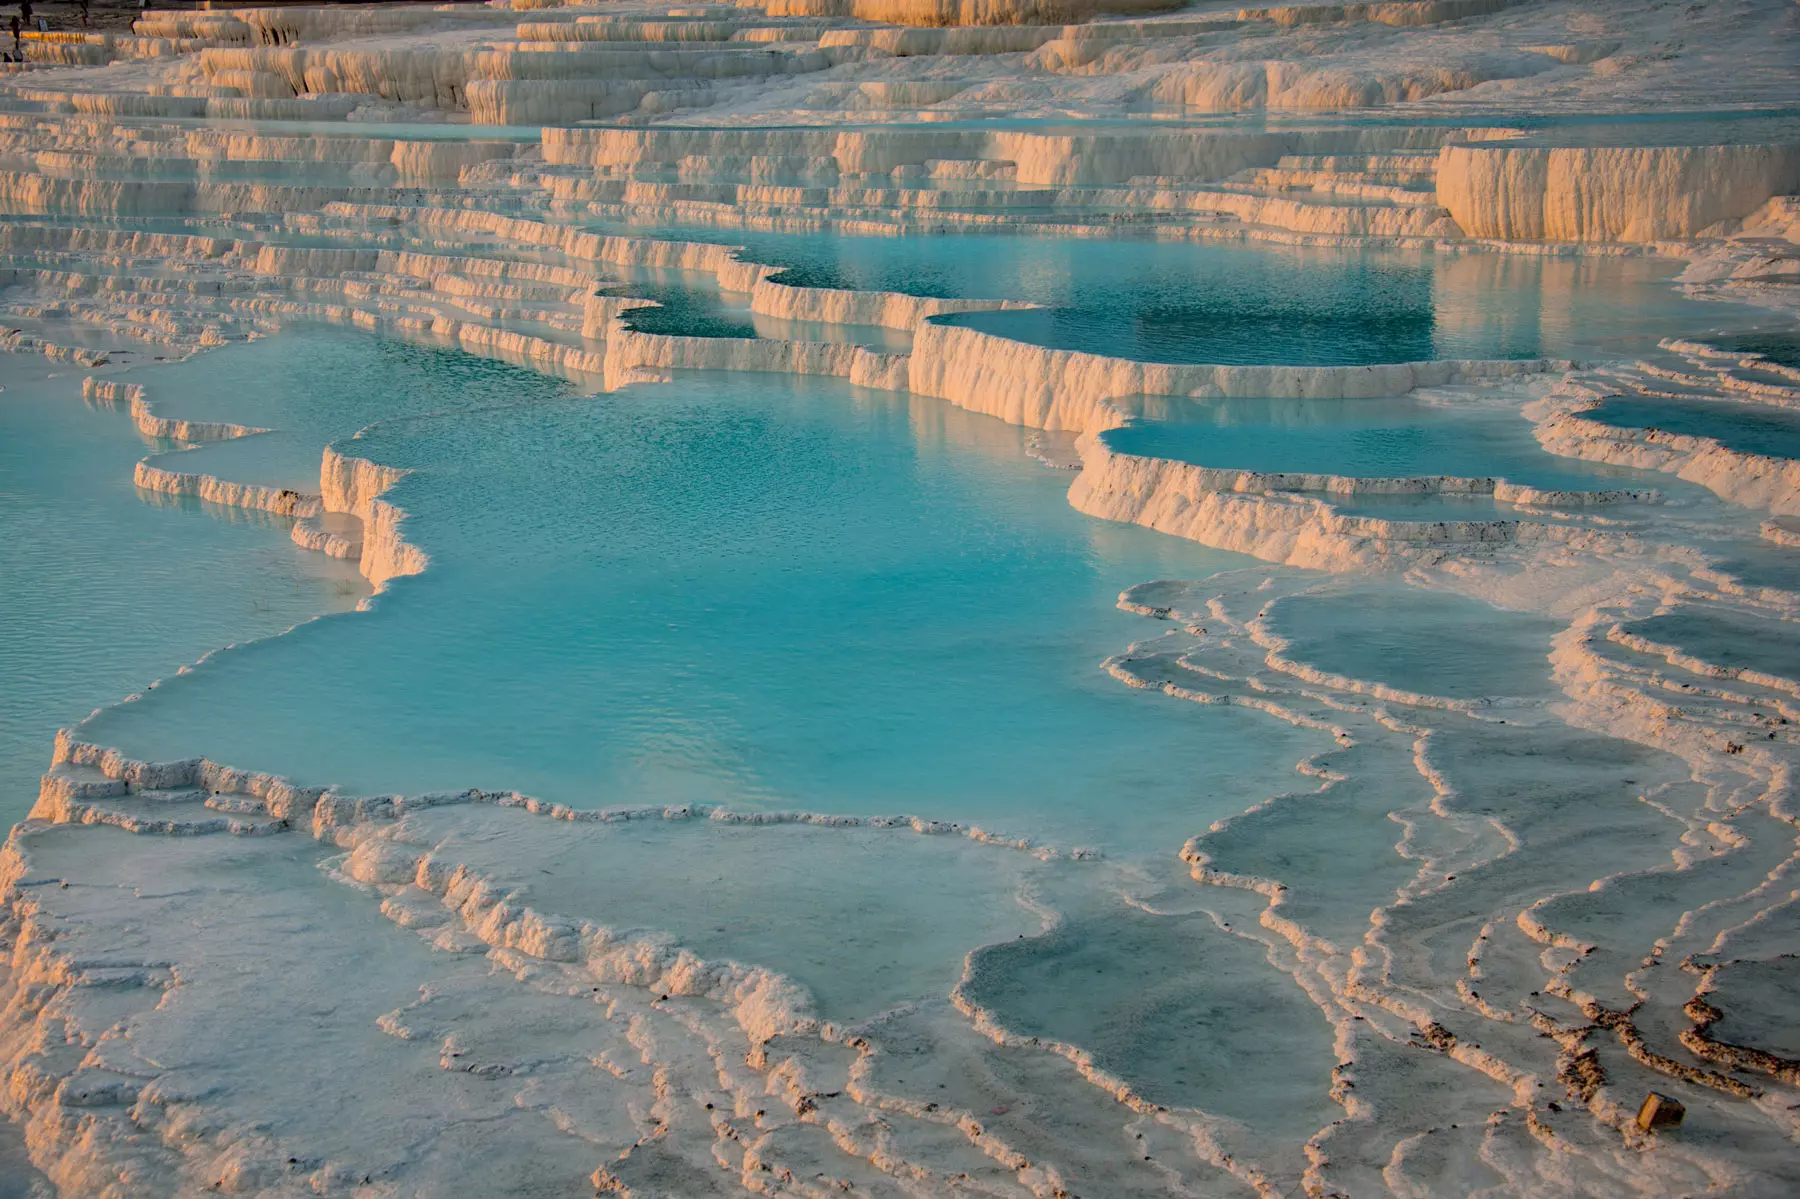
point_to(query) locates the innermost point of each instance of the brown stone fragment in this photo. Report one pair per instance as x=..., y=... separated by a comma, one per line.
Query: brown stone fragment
x=1660, y=1111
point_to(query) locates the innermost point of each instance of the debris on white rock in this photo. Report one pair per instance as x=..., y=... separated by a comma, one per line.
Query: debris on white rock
x=670, y=735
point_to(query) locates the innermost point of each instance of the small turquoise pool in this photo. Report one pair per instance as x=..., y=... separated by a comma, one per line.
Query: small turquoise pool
x=1379, y=438
x=1253, y=303
x=1745, y=427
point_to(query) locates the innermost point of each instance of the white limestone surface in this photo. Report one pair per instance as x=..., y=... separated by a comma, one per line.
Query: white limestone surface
x=1540, y=863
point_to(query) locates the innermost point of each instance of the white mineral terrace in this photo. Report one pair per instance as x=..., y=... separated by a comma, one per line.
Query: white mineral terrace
x=1529, y=853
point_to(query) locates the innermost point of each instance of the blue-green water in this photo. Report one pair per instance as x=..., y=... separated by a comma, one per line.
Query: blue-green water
x=1775, y=345
x=1143, y=995
x=1761, y=564
x=749, y=589
x=1318, y=307
x=314, y=384
x=1254, y=303
x=108, y=588
x=1745, y=427
x=685, y=307
x=1418, y=641
x=1733, y=640
x=1364, y=438
x=102, y=592
x=785, y=593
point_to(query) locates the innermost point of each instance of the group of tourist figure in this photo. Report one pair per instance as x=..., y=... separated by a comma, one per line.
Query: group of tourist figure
x=21, y=21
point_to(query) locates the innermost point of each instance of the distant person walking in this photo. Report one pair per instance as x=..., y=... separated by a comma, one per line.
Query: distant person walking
x=18, y=49
x=84, y=14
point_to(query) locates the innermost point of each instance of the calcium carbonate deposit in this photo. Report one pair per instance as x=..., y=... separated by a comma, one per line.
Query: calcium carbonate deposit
x=1060, y=598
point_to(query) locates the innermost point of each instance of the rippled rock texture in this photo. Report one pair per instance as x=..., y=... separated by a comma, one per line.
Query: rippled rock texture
x=891, y=598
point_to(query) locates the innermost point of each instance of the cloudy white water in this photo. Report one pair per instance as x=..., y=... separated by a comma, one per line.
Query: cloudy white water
x=901, y=599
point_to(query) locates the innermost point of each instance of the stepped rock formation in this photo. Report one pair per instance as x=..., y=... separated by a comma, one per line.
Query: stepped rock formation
x=1536, y=854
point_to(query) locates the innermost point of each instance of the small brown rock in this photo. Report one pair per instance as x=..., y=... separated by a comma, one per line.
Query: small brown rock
x=1660, y=1111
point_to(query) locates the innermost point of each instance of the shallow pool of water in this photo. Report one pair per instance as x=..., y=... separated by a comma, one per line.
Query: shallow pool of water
x=1158, y=1003
x=1775, y=345
x=685, y=306
x=1725, y=638
x=1430, y=643
x=749, y=589
x=1255, y=303
x=105, y=592
x=1745, y=427
x=1384, y=437
x=1757, y=563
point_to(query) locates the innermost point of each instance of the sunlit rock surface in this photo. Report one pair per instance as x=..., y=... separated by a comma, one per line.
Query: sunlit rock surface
x=883, y=597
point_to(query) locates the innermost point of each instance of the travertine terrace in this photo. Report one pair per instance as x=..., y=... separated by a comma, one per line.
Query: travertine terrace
x=1461, y=814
